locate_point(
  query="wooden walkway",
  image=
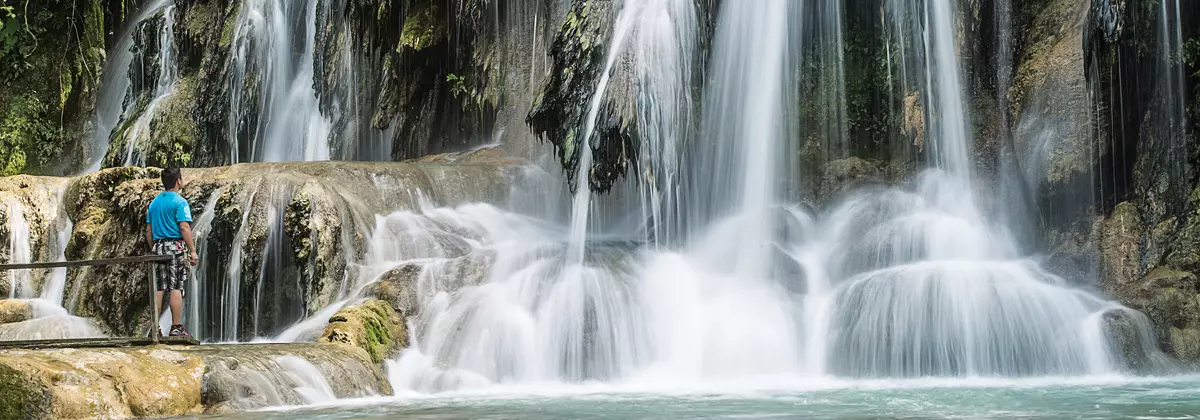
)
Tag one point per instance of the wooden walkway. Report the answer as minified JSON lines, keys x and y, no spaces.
{"x":97,"y":342}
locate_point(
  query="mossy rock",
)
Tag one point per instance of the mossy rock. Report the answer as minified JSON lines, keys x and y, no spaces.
{"x":20,"y":396}
{"x":423,"y":28}
{"x":372,"y":326}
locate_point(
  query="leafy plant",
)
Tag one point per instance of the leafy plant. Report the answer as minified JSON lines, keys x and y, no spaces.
{"x":457,"y":84}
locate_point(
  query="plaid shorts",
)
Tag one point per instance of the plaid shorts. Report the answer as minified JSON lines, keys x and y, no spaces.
{"x":173,"y":274}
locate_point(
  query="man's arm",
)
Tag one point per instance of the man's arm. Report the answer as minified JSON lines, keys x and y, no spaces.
{"x":149,"y":236}
{"x":185,"y":228}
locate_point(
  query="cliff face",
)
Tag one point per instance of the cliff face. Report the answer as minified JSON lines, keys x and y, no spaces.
{"x":1146,"y":109}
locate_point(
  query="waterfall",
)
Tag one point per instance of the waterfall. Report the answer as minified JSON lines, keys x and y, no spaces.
{"x":274,"y":112}
{"x":887,"y":282}
{"x":50,"y":319}
{"x":950,"y":150}
{"x":56,"y":285}
{"x":833,"y":121}
{"x":164,"y":86}
{"x":664,"y":46}
{"x":116,"y":81}
{"x":20,"y":281}
{"x":1173,"y":92}
{"x":747,"y":106}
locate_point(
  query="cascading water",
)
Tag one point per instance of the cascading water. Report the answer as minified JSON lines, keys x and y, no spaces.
{"x":274,"y":112}
{"x":18,"y":248}
{"x":164,"y":87}
{"x":885,"y":283}
{"x":50,"y":320}
{"x":116,"y":83}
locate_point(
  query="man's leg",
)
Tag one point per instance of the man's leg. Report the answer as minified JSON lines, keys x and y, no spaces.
{"x":158,"y":311}
{"x":176,"y":307}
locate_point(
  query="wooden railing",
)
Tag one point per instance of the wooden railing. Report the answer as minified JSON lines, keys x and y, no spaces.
{"x":150,"y":260}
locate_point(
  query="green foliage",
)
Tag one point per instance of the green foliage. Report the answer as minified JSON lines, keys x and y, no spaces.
{"x":26,"y":136}
{"x":457,"y":84}
{"x":1191,"y":55}
{"x":18,"y":38}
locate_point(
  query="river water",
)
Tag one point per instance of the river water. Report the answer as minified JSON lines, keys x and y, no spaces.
{"x":1041,"y":398}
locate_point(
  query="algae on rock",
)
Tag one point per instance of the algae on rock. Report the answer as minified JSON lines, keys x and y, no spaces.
{"x":372,"y":326}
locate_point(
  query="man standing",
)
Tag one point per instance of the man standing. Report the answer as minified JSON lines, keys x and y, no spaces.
{"x":169,"y":232}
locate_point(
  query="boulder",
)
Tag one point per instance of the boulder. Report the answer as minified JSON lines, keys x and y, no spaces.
{"x":398,"y":288}
{"x":1125,"y":340}
{"x":12,"y":310}
{"x":372,"y":326}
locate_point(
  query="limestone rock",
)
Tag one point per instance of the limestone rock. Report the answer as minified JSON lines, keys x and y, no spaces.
{"x":247,"y":377}
{"x":558,"y":114}
{"x":841,"y":175}
{"x":1120,"y":250}
{"x":397,"y":287}
{"x":119,"y":383}
{"x":174,"y":381}
{"x":12,"y":310}
{"x":372,"y":326}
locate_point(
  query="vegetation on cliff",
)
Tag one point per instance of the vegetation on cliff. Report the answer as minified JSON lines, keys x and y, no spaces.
{"x":51,"y":56}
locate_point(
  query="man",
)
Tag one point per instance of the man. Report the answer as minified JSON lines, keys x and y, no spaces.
{"x":169,"y":232}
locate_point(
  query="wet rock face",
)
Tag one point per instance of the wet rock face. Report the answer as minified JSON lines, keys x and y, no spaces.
{"x":1052,"y":137}
{"x":1139,"y":276}
{"x":559,"y":114}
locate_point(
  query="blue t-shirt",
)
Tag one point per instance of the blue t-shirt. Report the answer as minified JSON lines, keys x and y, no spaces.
{"x":165,"y":213}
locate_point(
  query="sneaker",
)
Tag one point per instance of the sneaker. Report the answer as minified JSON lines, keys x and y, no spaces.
{"x":179,"y":331}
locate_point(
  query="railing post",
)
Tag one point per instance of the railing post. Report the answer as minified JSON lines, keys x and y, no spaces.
{"x":154,"y":308}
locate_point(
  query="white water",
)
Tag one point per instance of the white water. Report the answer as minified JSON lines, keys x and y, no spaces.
{"x":896,"y":283}
{"x":18,"y":248}
{"x":274,"y":45}
{"x":115,"y":83}
{"x":50,"y":319}
{"x":308,"y":381}
{"x":168,"y":77}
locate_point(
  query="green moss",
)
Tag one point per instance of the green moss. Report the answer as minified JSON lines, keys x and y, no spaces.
{"x":422,"y":29}
{"x":18,"y":397}
{"x":228,"y":28}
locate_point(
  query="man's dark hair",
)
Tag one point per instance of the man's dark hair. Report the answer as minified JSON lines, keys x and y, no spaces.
{"x":169,"y":177}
